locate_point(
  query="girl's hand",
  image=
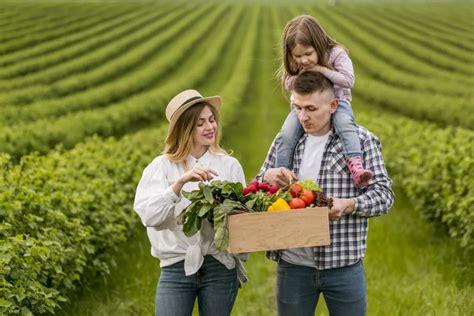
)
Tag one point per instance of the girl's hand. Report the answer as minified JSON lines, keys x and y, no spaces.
{"x":318,"y":68}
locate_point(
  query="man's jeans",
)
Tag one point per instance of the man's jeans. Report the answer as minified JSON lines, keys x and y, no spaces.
{"x":298,"y":289}
{"x":214,"y":285}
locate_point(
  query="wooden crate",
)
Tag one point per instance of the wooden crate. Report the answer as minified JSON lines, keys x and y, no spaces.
{"x":249,"y":232}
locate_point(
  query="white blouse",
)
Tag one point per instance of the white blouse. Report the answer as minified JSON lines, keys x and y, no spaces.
{"x":158,"y":206}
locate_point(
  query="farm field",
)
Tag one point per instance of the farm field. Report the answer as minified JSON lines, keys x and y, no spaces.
{"x":83,"y":87}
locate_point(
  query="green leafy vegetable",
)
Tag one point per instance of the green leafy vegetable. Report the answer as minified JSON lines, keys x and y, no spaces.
{"x":309,"y":185}
{"x":212,"y":202}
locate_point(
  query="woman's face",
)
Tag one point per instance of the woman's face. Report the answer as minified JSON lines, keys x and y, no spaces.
{"x":206,"y":128}
{"x":304,"y":56}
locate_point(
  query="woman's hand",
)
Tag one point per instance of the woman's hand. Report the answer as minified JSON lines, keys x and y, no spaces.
{"x":197,"y":173}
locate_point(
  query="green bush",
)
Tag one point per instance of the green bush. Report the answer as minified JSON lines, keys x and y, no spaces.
{"x":435,"y":167}
{"x":62,"y":216}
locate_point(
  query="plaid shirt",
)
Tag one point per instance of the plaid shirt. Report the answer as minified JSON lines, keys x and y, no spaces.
{"x":349,"y":233}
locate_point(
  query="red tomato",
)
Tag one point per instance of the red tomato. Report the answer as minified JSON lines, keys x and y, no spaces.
{"x":297,"y":203}
{"x":307,"y":196}
{"x":295,"y":190}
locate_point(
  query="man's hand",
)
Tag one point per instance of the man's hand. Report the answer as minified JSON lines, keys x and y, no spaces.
{"x":341,"y":207}
{"x":279,"y":176}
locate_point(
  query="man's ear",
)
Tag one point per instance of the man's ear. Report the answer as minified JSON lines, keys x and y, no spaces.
{"x":334,"y":103}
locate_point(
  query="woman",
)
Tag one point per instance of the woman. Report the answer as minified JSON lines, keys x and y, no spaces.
{"x":190,"y":266}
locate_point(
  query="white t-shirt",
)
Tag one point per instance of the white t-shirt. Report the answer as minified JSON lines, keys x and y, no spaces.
{"x":158,"y":206}
{"x":309,"y":169}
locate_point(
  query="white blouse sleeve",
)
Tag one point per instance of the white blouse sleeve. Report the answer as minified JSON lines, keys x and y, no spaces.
{"x":155,"y":200}
{"x":238,"y":173}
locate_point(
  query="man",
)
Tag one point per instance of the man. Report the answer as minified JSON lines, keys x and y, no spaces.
{"x":335,"y":270}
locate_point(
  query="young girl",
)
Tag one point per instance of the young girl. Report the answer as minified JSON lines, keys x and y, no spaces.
{"x":191,"y":267}
{"x":306,"y":46}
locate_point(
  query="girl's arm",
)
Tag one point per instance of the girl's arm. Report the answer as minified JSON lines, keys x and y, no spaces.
{"x":343,"y":75}
{"x":288,"y":82}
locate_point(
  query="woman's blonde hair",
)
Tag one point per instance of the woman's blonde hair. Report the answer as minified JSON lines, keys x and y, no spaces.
{"x":306,"y":31}
{"x":179,"y":143}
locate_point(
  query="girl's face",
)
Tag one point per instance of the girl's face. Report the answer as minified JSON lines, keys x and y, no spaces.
{"x":305,"y":57}
{"x":206,"y":128}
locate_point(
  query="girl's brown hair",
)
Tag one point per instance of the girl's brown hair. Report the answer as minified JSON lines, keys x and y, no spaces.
{"x":306,"y":31}
{"x":179,"y":143}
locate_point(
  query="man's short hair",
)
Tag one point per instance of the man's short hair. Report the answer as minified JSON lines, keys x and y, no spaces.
{"x":309,"y":82}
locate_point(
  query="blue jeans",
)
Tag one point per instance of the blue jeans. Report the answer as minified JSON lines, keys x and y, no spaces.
{"x":298,"y":289}
{"x":286,"y":140}
{"x":291,"y":131}
{"x":345,"y":126}
{"x":214,"y":285}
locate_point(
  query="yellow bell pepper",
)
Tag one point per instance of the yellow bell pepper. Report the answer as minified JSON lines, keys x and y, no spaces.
{"x":279,"y":205}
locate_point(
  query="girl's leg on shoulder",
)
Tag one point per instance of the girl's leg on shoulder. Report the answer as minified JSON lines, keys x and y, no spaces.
{"x":287,"y":139}
{"x":345,"y":126}
{"x":176,"y":292}
{"x":218,"y":287}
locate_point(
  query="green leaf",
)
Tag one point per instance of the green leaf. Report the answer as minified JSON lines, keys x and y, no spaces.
{"x":4,"y":303}
{"x":250,"y":203}
{"x":193,"y":195}
{"x":221,"y":233}
{"x":204,"y":210}
{"x":207,"y":194}
{"x":192,"y":224}
{"x":181,"y":218}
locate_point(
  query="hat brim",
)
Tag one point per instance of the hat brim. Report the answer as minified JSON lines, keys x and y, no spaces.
{"x":215,"y":101}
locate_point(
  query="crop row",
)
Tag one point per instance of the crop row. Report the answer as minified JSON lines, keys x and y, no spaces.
{"x":18,"y":22}
{"x":134,"y":83}
{"x":438,"y":109}
{"x":403,"y":53}
{"x":89,"y":41}
{"x":389,"y":53}
{"x":412,"y":45}
{"x":382,"y":69}
{"x":400,"y":92}
{"x":30,"y":41}
{"x":456,"y":21}
{"x":74,"y":75}
{"x":117,"y":119}
{"x":66,"y":43}
{"x":135,"y":53}
{"x":420,"y":34}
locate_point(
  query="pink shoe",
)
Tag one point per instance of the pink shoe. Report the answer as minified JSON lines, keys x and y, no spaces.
{"x":360,"y":176}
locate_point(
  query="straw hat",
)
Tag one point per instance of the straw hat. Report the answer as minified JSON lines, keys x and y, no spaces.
{"x":183,"y":101}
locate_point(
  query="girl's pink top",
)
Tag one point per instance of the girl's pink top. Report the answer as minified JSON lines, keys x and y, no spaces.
{"x":342,"y":77}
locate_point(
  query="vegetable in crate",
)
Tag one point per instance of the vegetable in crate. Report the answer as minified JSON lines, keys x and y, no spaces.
{"x":306,"y":193}
{"x":259,"y":196}
{"x":212,"y":202}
